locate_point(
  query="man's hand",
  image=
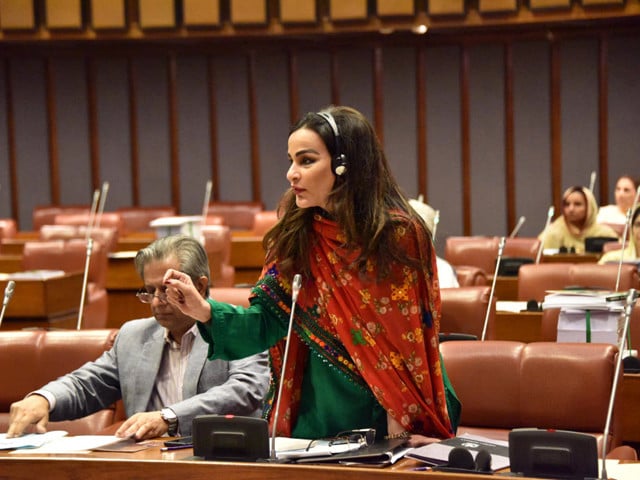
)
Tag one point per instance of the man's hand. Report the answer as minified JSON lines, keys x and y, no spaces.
{"x":32,"y":410}
{"x":183,"y":294}
{"x":143,"y":426}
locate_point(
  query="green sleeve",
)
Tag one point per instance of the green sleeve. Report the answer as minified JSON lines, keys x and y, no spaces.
{"x":236,"y":332}
{"x":454,"y":407}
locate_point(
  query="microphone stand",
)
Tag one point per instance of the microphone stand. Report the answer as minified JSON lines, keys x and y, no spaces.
{"x":493,"y":286}
{"x":624,"y":244}
{"x":544,"y":233}
{"x":436,"y":221}
{"x":515,"y":231}
{"x":103,"y":199}
{"x":8,"y":293}
{"x":84,"y":282}
{"x":295,"y":289}
{"x":631,"y":299}
{"x":592,"y":181}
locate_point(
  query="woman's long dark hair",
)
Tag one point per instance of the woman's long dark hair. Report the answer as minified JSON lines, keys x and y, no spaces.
{"x":361,"y":202}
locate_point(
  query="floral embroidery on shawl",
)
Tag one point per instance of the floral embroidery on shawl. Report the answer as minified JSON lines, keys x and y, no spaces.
{"x":383,"y":335}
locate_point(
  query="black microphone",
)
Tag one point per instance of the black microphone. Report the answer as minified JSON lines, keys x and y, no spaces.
{"x":493,"y":286}
{"x":8,"y":293}
{"x":630,"y":302}
{"x":295,"y":290}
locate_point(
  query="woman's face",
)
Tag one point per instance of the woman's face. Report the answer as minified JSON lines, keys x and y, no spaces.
{"x":625,"y":193}
{"x":575,"y":209}
{"x":310,"y":172}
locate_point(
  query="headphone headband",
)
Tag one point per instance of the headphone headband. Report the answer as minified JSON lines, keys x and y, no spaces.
{"x":339,"y":161}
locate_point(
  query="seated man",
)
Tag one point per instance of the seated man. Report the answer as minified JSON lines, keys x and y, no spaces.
{"x":158,"y":365}
{"x":447,"y":277}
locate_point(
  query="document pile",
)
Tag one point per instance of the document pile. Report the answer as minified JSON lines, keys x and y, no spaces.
{"x":592,"y":316}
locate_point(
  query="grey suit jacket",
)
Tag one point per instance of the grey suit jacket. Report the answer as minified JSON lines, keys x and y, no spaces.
{"x":129,"y":369}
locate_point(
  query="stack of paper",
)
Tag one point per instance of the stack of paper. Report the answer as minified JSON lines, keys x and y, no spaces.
{"x":585,"y":299}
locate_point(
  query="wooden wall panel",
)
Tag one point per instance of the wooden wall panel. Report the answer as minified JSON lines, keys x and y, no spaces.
{"x":16,"y":14}
{"x":353,"y":10}
{"x":156,"y":13}
{"x":395,"y":7}
{"x":492,"y":6}
{"x":298,"y":11}
{"x":108,"y":14}
{"x":446,"y":7}
{"x":248,"y":12}
{"x":64,"y":13}
{"x":589,"y":3}
{"x":543,"y":4}
{"x":201,"y":12}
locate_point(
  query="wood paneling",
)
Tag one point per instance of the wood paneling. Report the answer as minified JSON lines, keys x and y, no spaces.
{"x":201,"y":12}
{"x":492,"y":6}
{"x":16,"y":14}
{"x":156,"y":13}
{"x":446,"y":7}
{"x":589,"y":3}
{"x":298,"y":11}
{"x":542,"y":4}
{"x":64,"y":13}
{"x":395,"y":7}
{"x":107,"y":14}
{"x":340,"y":10}
{"x":248,"y":12}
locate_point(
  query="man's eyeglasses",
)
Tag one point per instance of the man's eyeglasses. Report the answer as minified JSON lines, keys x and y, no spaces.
{"x":147,"y":297}
{"x":346,"y":441}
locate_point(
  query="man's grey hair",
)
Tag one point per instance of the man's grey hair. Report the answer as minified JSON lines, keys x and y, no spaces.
{"x":191,"y":256}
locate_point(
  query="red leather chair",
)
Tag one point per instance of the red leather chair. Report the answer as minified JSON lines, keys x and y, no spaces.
{"x":263,"y":221}
{"x":217,"y":243}
{"x":464,"y":311}
{"x":46,"y":214}
{"x":238,"y":296}
{"x":482,"y":252}
{"x":107,"y":219}
{"x":470,"y":276}
{"x":237,"y":215}
{"x":137,"y":219}
{"x":70,"y":256}
{"x":30,"y":359}
{"x":535,"y":279}
{"x":8,"y":228}
{"x":504,"y":385}
{"x":106,"y":236}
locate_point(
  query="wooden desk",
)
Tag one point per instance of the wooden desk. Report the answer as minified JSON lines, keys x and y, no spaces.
{"x":152,"y":463}
{"x":49,"y":302}
{"x":521,"y":327}
{"x":506,"y":288}
{"x":571,"y":258}
{"x":247,"y":257}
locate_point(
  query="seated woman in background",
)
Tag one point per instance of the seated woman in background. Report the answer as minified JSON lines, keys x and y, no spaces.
{"x":616,"y":215}
{"x":577,"y":222}
{"x":632,"y":248}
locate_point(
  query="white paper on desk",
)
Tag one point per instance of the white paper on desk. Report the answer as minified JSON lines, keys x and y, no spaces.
{"x":75,"y":444}
{"x":510,"y":306}
{"x":30,"y":440}
{"x":621,"y":471}
{"x":36,"y":275}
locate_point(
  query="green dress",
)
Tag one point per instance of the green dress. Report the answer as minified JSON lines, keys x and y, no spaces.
{"x":330,"y":402}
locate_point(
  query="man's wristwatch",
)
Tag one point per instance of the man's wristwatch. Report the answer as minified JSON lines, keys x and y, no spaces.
{"x":171,"y":418}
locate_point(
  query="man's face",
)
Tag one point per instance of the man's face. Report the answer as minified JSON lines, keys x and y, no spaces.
{"x":166,"y":315}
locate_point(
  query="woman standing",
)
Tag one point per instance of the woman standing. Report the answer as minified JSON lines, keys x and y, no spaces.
{"x":364,"y":350}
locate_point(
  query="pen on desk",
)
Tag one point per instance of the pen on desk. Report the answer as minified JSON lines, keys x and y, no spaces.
{"x":175,"y":447}
{"x":420,"y":469}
